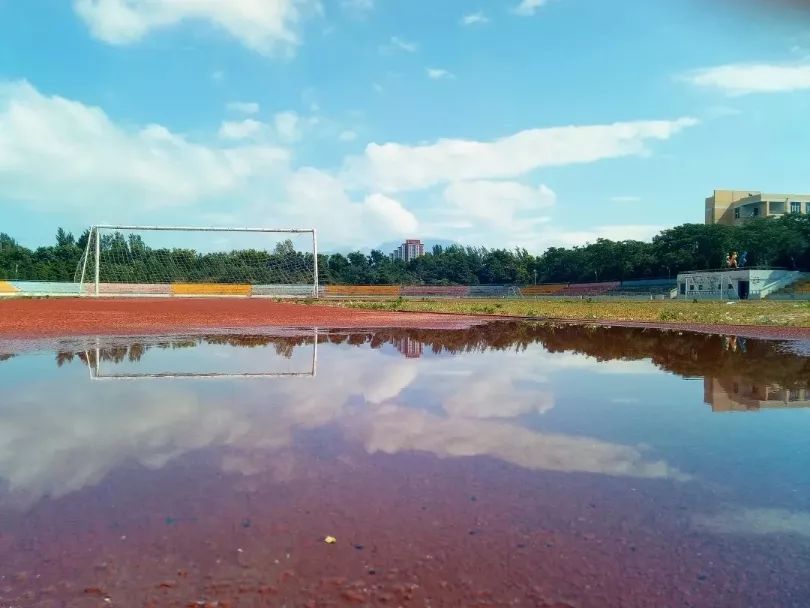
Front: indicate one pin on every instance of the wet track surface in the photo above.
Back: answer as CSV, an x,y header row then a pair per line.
x,y
508,464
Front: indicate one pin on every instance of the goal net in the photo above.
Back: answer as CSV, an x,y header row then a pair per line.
x,y
163,261
290,354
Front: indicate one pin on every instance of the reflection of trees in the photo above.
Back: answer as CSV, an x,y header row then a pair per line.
x,y
5,357
63,357
685,354
284,346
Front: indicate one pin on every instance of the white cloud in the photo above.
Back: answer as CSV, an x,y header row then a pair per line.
x,y
746,78
243,107
287,125
474,19
527,8
498,204
625,199
265,26
492,213
390,213
91,163
137,175
240,129
394,166
133,173
392,429
399,44
438,73
313,195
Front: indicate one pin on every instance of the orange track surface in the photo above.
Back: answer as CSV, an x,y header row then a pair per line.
x,y
87,316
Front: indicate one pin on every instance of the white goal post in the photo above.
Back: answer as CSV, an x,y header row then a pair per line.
x,y
132,260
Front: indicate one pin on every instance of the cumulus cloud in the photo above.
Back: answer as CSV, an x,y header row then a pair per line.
x,y
395,166
287,125
474,19
527,8
92,163
438,73
243,107
268,27
132,173
390,213
499,203
313,195
737,79
240,129
137,174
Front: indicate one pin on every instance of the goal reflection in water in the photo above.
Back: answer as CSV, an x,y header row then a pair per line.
x,y
289,354
507,464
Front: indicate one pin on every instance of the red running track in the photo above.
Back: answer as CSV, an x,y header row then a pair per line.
x,y
48,318
68,317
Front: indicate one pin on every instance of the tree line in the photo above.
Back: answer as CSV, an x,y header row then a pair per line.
x,y
782,242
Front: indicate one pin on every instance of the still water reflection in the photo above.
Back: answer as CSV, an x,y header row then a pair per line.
x,y
509,464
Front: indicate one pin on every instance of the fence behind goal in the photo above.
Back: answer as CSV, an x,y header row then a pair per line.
x,y
164,261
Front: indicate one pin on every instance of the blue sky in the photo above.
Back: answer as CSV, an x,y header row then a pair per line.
x,y
503,123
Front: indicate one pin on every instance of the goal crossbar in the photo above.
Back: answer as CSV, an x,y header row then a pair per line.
x,y
203,229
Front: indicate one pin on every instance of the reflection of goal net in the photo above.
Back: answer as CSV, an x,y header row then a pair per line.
x,y
207,357
162,261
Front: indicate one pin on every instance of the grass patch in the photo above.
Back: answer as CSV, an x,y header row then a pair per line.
x,y
775,313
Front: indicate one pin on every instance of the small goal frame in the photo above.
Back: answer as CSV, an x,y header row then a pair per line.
x,y
94,239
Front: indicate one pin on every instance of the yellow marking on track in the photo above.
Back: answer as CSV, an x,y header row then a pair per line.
x,y
210,289
362,290
6,287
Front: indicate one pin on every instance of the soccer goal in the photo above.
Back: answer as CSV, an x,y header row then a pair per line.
x,y
199,261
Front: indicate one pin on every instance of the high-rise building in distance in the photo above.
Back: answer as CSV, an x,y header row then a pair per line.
x,y
409,250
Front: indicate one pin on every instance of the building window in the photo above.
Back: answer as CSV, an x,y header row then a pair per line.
x,y
807,208
795,207
776,208
755,212
700,287
736,213
692,287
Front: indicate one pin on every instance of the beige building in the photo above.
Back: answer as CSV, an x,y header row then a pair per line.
x,y
737,394
735,206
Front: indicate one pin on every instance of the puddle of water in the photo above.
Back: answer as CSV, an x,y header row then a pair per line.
x,y
503,465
